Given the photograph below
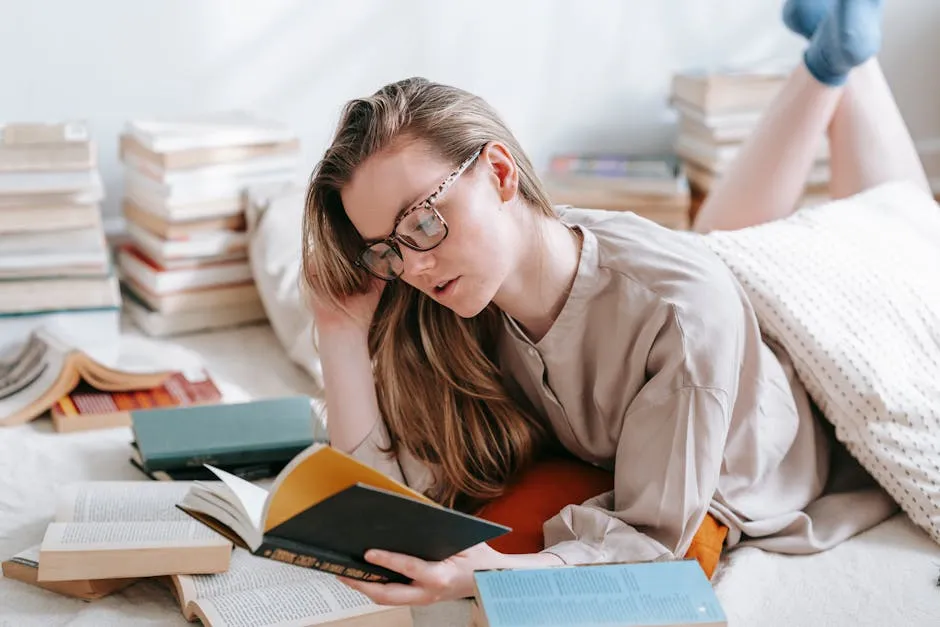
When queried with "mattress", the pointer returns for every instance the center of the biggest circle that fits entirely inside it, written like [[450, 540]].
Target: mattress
[[884, 577]]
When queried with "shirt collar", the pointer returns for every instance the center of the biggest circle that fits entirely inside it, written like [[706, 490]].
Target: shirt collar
[[573, 309]]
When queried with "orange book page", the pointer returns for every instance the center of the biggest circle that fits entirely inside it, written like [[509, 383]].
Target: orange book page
[[320, 475]]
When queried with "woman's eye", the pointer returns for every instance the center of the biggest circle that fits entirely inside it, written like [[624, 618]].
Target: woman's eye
[[428, 224]]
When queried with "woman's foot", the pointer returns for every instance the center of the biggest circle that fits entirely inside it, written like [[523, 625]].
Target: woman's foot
[[848, 35], [803, 16]]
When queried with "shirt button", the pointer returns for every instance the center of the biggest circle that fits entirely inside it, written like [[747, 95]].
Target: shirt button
[[533, 352]]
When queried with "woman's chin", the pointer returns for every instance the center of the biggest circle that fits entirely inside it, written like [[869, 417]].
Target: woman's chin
[[463, 299], [470, 306]]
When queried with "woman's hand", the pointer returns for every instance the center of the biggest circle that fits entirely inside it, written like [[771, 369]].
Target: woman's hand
[[355, 312], [431, 581], [439, 581]]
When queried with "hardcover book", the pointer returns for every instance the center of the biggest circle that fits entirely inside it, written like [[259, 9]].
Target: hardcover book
[[122, 529], [326, 509], [24, 566], [263, 431]]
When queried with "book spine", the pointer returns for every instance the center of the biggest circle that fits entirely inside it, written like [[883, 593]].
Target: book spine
[[227, 458], [306, 556]]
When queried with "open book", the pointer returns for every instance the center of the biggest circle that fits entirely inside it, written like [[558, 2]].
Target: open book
[[325, 510], [44, 369], [118, 529], [257, 592], [24, 566]]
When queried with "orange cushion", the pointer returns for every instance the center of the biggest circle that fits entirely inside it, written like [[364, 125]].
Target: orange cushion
[[551, 485]]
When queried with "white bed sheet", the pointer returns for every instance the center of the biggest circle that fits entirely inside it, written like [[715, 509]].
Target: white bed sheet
[[885, 577]]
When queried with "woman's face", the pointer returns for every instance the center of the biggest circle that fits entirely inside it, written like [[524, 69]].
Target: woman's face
[[466, 269]]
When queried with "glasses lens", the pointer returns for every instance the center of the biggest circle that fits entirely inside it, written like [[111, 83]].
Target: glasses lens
[[422, 229], [382, 260]]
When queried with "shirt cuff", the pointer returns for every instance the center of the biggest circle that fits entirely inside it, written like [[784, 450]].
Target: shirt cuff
[[574, 552]]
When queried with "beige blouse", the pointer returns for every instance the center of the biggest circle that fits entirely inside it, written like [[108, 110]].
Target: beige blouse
[[656, 369]]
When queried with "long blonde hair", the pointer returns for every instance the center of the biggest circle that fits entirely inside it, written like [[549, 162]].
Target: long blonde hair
[[437, 379]]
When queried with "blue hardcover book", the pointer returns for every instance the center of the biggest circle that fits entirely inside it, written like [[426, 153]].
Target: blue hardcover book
[[653, 594], [265, 431]]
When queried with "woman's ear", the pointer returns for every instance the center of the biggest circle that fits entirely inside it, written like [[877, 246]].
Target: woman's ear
[[502, 170]]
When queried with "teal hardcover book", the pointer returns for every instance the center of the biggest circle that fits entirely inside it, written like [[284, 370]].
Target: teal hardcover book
[[652, 594], [262, 431]]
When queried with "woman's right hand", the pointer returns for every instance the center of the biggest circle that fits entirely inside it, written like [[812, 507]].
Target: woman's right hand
[[355, 312]]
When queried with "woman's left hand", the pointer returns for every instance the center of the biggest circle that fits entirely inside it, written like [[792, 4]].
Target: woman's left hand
[[431, 581]]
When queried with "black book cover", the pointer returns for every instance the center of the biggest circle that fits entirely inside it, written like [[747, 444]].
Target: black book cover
[[341, 528]]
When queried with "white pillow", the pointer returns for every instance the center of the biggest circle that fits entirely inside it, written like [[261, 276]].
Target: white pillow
[[851, 290], [274, 216]]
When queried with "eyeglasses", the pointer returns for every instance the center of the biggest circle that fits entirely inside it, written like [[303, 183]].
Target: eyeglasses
[[420, 227]]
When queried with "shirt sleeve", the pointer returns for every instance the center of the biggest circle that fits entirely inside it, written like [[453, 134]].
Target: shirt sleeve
[[665, 474], [402, 467], [668, 457]]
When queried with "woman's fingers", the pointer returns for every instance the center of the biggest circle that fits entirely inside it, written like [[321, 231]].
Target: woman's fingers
[[390, 593], [409, 566]]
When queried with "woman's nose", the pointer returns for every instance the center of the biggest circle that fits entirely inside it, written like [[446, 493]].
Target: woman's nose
[[417, 262]]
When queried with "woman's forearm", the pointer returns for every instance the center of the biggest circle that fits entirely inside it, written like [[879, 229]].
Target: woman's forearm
[[531, 560], [351, 404]]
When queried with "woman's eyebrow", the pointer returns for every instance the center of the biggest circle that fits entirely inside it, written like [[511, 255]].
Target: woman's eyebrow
[[406, 207]]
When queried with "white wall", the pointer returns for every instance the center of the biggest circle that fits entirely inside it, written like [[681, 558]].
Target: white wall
[[565, 75]]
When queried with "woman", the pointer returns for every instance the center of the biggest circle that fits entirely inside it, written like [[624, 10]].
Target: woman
[[465, 327]]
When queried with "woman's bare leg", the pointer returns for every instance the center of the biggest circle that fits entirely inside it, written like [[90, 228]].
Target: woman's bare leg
[[768, 175], [869, 141]]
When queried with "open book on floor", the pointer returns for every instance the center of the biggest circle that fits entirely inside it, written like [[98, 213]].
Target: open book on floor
[[652, 594], [24, 566], [266, 593], [118, 529], [42, 370], [326, 509]]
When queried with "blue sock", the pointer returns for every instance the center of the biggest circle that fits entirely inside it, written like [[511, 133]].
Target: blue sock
[[848, 36], [803, 16]]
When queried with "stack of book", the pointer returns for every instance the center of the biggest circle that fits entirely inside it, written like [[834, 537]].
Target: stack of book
[[251, 440], [717, 112], [652, 186], [54, 263], [185, 268]]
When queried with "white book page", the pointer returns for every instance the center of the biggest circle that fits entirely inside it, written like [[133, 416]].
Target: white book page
[[21, 363], [89, 239], [230, 128], [289, 605], [121, 501], [31, 383], [199, 499], [246, 572], [86, 536], [267, 163], [28, 557], [250, 498]]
